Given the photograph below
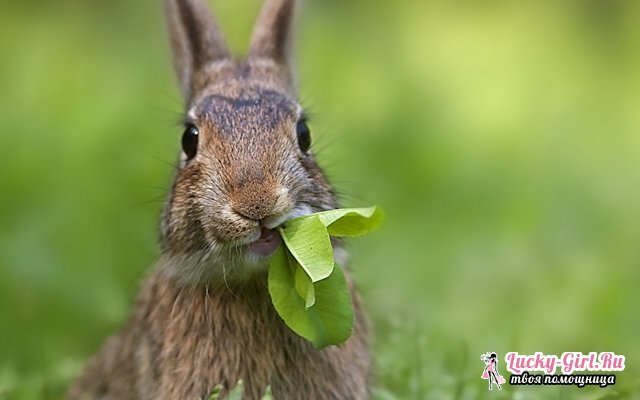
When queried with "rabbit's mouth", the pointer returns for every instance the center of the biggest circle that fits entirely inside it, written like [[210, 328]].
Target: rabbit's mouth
[[266, 244], [261, 246]]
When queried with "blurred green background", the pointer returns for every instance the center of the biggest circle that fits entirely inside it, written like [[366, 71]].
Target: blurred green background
[[502, 138]]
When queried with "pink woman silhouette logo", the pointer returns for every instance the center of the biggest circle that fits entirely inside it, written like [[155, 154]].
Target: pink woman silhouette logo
[[490, 372]]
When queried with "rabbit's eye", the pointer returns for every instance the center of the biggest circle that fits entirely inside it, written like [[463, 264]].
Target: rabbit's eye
[[190, 141], [304, 136]]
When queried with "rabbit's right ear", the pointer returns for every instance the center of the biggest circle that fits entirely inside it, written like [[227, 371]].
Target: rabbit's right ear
[[196, 41]]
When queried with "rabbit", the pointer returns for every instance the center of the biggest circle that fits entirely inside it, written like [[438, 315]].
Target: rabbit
[[204, 316]]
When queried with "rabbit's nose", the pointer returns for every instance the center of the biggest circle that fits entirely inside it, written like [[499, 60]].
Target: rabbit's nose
[[254, 200]]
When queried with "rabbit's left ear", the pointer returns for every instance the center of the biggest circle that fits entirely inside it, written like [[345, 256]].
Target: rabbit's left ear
[[271, 38]]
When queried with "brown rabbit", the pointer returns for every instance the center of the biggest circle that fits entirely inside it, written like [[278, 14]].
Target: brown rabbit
[[204, 317]]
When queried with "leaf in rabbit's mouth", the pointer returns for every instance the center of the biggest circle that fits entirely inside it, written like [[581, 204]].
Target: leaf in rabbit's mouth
[[307, 289], [266, 244]]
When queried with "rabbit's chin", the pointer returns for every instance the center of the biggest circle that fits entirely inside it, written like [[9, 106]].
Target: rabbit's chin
[[223, 263]]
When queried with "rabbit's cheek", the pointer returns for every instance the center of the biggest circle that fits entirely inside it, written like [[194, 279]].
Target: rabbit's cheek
[[227, 226]]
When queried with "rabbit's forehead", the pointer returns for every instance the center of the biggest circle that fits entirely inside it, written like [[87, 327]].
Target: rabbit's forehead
[[249, 109]]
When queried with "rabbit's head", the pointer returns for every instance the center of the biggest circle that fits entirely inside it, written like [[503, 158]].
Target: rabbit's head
[[245, 165]]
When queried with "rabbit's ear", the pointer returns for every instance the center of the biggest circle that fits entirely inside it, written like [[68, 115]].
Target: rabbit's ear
[[271, 37], [195, 39]]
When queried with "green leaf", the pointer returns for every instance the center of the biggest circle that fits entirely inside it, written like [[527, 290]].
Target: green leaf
[[308, 241], [303, 283], [351, 221], [330, 319], [308, 292]]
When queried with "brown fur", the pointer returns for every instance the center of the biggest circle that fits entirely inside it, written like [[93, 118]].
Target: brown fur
[[183, 340], [204, 317]]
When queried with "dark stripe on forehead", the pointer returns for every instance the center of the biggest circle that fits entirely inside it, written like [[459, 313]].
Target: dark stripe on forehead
[[253, 109]]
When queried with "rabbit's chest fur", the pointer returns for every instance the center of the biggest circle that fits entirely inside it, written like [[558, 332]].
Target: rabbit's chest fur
[[184, 340]]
